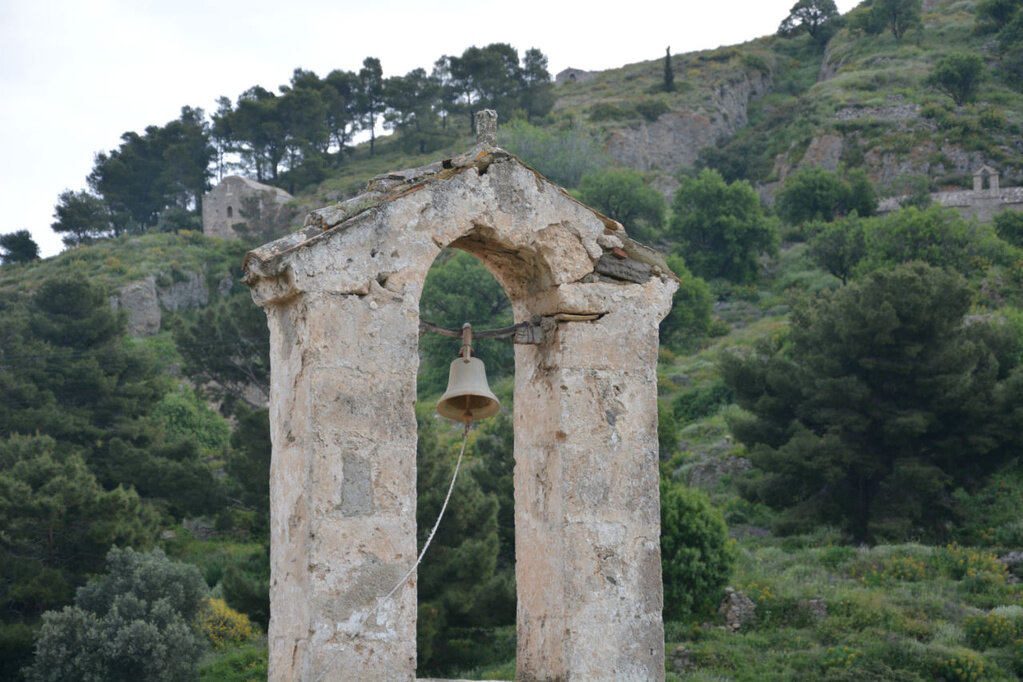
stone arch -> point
(985, 175)
(341, 297)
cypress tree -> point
(669, 73)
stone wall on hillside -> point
(982, 204)
(571, 75)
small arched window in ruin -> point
(230, 212)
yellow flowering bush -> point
(978, 570)
(221, 625)
(989, 629)
(902, 569)
(964, 666)
(840, 657)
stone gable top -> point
(484, 191)
(985, 169)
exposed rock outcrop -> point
(188, 293)
(145, 302)
(675, 139)
(710, 469)
(142, 304)
(681, 660)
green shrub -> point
(610, 111)
(132, 623)
(702, 401)
(993, 118)
(958, 75)
(819, 194)
(721, 227)
(898, 569)
(184, 414)
(836, 555)
(246, 663)
(840, 657)
(980, 573)
(958, 562)
(697, 557)
(964, 666)
(938, 236)
(988, 630)
(651, 109)
(755, 62)
(624, 196)
(691, 306)
(1009, 226)
(667, 431)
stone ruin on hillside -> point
(982, 203)
(222, 206)
(342, 301)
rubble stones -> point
(737, 609)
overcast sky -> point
(76, 74)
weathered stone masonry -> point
(342, 302)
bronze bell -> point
(468, 397)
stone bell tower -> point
(342, 301)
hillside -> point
(775, 104)
(160, 410)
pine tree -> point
(877, 402)
(18, 247)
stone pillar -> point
(978, 182)
(587, 517)
(992, 182)
(486, 127)
(343, 487)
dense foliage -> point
(721, 228)
(817, 18)
(697, 556)
(896, 16)
(134, 622)
(958, 75)
(18, 247)
(878, 400)
(624, 196)
(818, 194)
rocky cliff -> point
(675, 139)
(144, 300)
